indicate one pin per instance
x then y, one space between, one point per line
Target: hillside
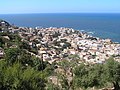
22 68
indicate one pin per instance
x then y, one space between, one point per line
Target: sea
102 25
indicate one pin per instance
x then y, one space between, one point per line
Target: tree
65 64
64 82
24 45
26 59
32 80
12 55
89 76
14 77
1 42
51 86
96 76
81 79
112 68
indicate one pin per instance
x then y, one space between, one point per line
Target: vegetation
19 70
98 75
16 78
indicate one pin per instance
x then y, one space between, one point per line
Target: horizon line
66 13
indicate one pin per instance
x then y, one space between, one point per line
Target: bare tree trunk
116 85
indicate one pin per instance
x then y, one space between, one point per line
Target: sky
59 6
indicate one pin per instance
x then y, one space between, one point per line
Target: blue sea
102 25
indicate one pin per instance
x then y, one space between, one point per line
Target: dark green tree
12 55
112 68
89 76
14 77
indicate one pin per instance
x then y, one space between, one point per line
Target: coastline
64 46
104 25
55 44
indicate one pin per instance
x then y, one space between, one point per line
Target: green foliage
97 75
81 73
17 55
15 78
112 69
19 70
24 45
12 55
34 50
74 57
2 42
49 70
51 86
64 82
65 64
6 43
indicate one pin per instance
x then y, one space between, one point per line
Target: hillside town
57 59
55 44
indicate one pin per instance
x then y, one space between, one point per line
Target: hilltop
4 23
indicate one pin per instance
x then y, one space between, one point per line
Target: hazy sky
59 6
